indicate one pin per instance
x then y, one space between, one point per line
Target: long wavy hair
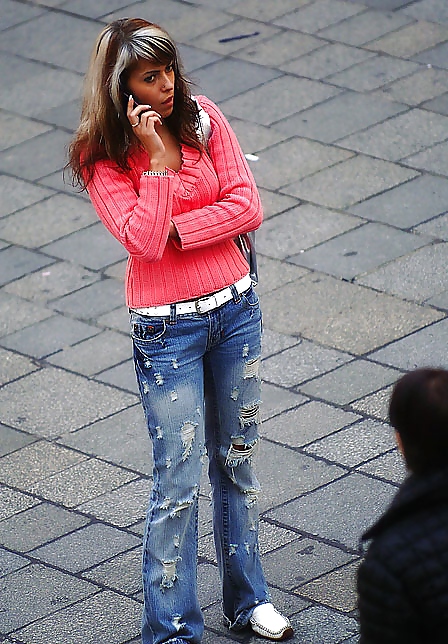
104 131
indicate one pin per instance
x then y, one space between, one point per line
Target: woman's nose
167 81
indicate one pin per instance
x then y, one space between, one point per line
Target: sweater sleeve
140 221
237 208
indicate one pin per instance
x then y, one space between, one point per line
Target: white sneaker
269 623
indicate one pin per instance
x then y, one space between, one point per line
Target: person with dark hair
167 177
403 580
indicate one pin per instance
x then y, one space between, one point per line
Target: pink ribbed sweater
211 200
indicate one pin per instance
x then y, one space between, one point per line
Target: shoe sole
285 635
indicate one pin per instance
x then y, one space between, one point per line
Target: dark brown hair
104 131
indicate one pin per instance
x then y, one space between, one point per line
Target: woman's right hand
144 122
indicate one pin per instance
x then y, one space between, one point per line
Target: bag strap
204 127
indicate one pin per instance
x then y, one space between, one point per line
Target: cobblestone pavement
345 104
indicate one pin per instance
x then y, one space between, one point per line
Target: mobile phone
135 100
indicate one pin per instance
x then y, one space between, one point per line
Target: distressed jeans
200 390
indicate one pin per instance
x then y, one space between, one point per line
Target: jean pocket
148 331
250 297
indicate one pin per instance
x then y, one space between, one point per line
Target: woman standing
176 203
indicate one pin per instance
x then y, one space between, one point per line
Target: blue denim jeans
200 389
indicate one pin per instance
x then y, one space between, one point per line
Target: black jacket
403 580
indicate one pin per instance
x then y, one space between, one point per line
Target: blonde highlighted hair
104 131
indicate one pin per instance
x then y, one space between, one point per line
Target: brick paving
345 104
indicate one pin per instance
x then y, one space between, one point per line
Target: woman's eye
150 79
169 68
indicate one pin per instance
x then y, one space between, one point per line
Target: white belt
202 305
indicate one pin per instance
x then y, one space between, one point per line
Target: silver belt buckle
197 304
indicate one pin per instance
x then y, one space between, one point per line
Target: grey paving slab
327 307
254 138
16 313
208 584
121 573
94 10
121 507
269 10
307 423
275 342
335 186
300 363
55 38
274 273
226 39
340 116
341 511
434 159
278 486
122 376
93 622
16 262
354 445
49 589
86 547
408 204
275 203
65 116
16 129
432 10
121 439
81 482
93 248
316 16
307 559
358 251
416 277
9 562
278 99
424 348
276 400
336 589
14 366
389 467
37 157
373 73
439 104
319 625
419 87
186 22
400 136
294 159
435 56
49 336
16 194
38 525
437 228
194 58
93 300
13 13
440 300
350 382
364 27
11 439
376 404
57 280
36 462
326 60
13 502
280 48
46 402
410 39
228 77
95 354
42 223
46 88
306 226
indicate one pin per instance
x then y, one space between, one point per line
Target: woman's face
153 84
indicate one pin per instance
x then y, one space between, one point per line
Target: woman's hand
144 122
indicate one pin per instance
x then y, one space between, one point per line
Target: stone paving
345 104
